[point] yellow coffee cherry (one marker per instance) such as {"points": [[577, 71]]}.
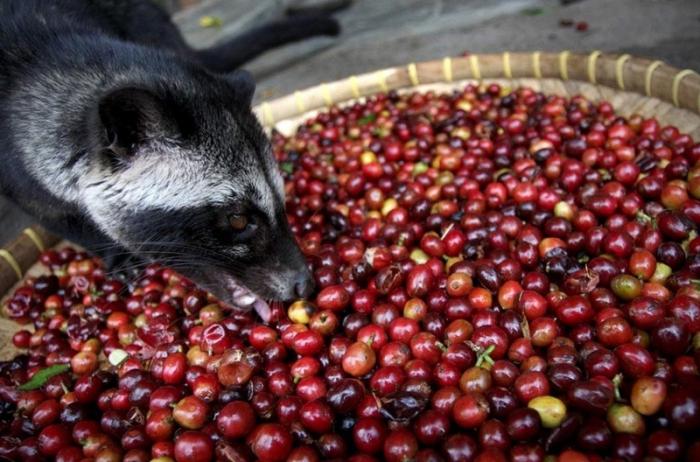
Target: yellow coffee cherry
{"points": [[389, 205], [418, 256], [300, 312], [551, 410], [367, 157]]}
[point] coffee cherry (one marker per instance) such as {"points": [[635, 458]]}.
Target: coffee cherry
{"points": [[369, 435], [193, 446], [470, 410], [523, 424], [270, 442], [359, 359], [624, 419], [235, 420], [551, 410], [500, 275], [647, 395], [190, 412]]}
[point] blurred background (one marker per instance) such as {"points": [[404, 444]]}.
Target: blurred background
{"points": [[384, 33]]}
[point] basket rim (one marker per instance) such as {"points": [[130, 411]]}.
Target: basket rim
{"points": [[618, 72]]}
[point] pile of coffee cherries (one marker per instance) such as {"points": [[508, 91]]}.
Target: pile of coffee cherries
{"points": [[501, 276]]}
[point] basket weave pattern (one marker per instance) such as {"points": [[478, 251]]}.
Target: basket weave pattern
{"points": [[650, 88]]}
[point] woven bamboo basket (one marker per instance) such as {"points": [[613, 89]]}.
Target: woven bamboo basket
{"points": [[632, 85]]}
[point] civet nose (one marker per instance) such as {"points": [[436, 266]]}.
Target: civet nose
{"points": [[304, 285]]}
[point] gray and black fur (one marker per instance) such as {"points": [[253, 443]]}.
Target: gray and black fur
{"points": [[117, 135]]}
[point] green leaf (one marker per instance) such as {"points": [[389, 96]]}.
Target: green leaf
{"points": [[366, 119], [532, 11], [43, 376], [287, 167]]}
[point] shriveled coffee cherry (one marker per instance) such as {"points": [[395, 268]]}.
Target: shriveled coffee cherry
{"points": [[402, 406]]}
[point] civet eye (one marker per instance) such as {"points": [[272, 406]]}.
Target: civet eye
{"points": [[238, 222]]}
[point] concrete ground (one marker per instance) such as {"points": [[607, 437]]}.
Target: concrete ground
{"points": [[383, 33]]}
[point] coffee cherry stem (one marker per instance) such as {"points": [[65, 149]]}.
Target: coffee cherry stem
{"points": [[447, 230], [686, 244], [484, 355], [644, 218], [525, 327], [370, 340], [499, 173], [617, 381]]}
